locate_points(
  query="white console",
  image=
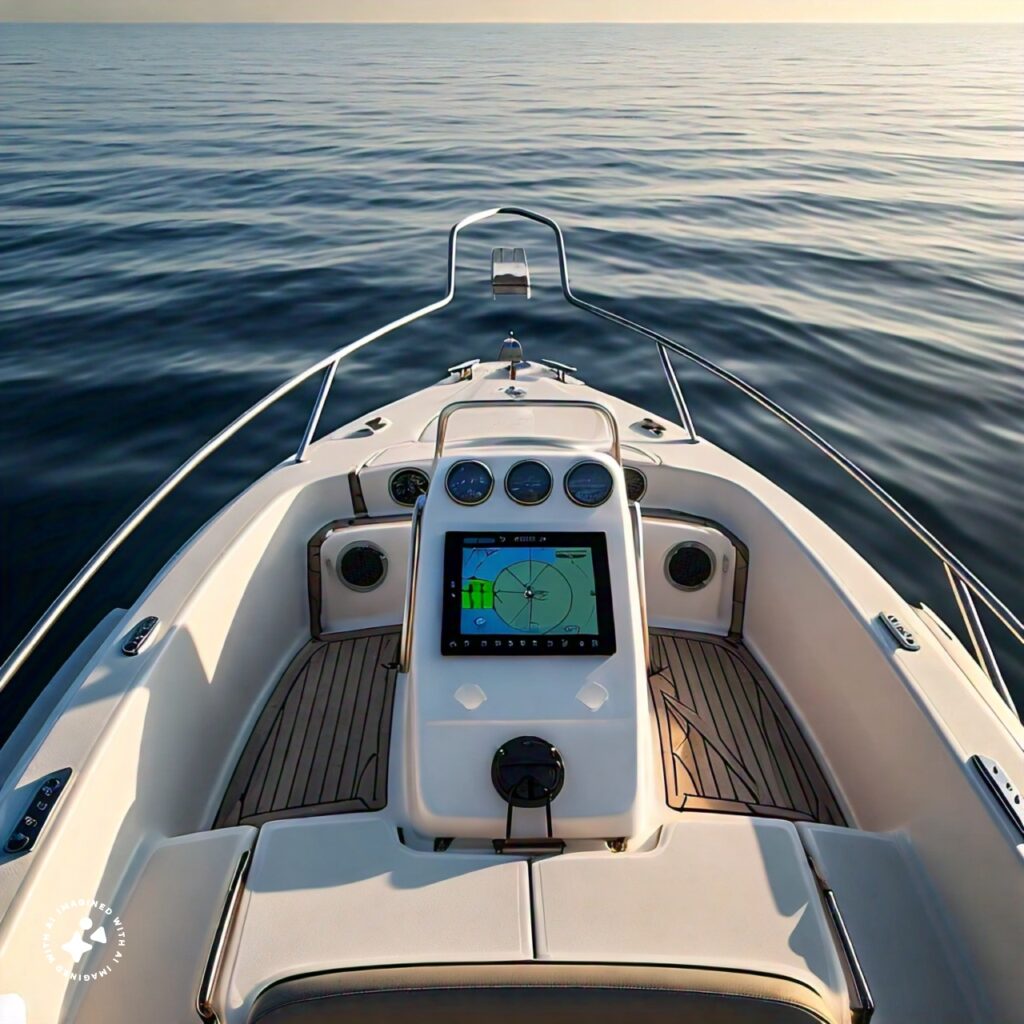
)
(460, 706)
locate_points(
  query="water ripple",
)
(190, 214)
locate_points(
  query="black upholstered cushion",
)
(539, 993)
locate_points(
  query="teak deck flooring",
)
(321, 744)
(728, 741)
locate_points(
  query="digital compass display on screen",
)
(527, 594)
(529, 590)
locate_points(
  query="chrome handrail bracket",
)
(682, 408)
(318, 408)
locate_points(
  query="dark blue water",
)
(188, 215)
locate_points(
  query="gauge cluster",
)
(527, 482)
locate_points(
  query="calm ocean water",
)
(188, 215)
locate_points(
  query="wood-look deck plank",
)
(321, 744)
(729, 742)
(343, 733)
(738, 726)
(315, 728)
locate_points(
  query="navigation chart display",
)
(543, 593)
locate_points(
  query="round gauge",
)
(588, 483)
(469, 482)
(528, 483)
(636, 483)
(407, 485)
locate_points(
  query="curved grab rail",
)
(329, 364)
(547, 403)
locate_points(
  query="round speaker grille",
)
(689, 566)
(362, 566)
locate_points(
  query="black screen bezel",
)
(455, 643)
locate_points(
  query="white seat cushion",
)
(719, 891)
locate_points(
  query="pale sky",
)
(511, 10)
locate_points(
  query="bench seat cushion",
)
(531, 992)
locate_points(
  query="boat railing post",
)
(318, 408)
(983, 652)
(675, 387)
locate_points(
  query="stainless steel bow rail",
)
(966, 586)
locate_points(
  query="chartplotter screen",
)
(527, 594)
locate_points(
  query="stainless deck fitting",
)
(900, 633)
(558, 369)
(464, 371)
(651, 426)
(140, 636)
(1006, 793)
